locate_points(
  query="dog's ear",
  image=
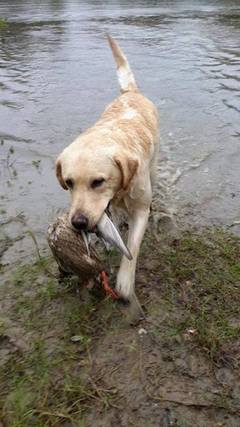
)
(59, 174)
(128, 168)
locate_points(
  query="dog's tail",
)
(125, 76)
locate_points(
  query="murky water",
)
(57, 75)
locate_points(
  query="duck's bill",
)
(108, 231)
(85, 237)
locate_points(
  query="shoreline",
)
(68, 356)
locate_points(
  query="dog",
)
(114, 161)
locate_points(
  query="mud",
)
(68, 357)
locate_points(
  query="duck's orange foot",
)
(107, 288)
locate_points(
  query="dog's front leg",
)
(126, 275)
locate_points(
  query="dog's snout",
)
(79, 221)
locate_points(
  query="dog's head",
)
(93, 178)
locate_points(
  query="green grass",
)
(200, 275)
(41, 384)
(196, 280)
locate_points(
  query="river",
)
(57, 75)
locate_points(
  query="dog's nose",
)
(79, 221)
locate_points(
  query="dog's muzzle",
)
(79, 222)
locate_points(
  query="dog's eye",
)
(69, 183)
(97, 182)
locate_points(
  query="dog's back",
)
(131, 120)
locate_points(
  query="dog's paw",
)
(125, 289)
(135, 310)
(132, 310)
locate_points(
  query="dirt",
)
(69, 358)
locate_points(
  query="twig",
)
(234, 223)
(32, 235)
(55, 414)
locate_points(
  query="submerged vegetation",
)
(69, 359)
(3, 23)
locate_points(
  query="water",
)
(57, 75)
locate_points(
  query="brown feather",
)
(70, 252)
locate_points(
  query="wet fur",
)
(121, 147)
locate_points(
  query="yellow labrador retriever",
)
(114, 161)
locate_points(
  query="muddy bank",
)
(68, 358)
(57, 76)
